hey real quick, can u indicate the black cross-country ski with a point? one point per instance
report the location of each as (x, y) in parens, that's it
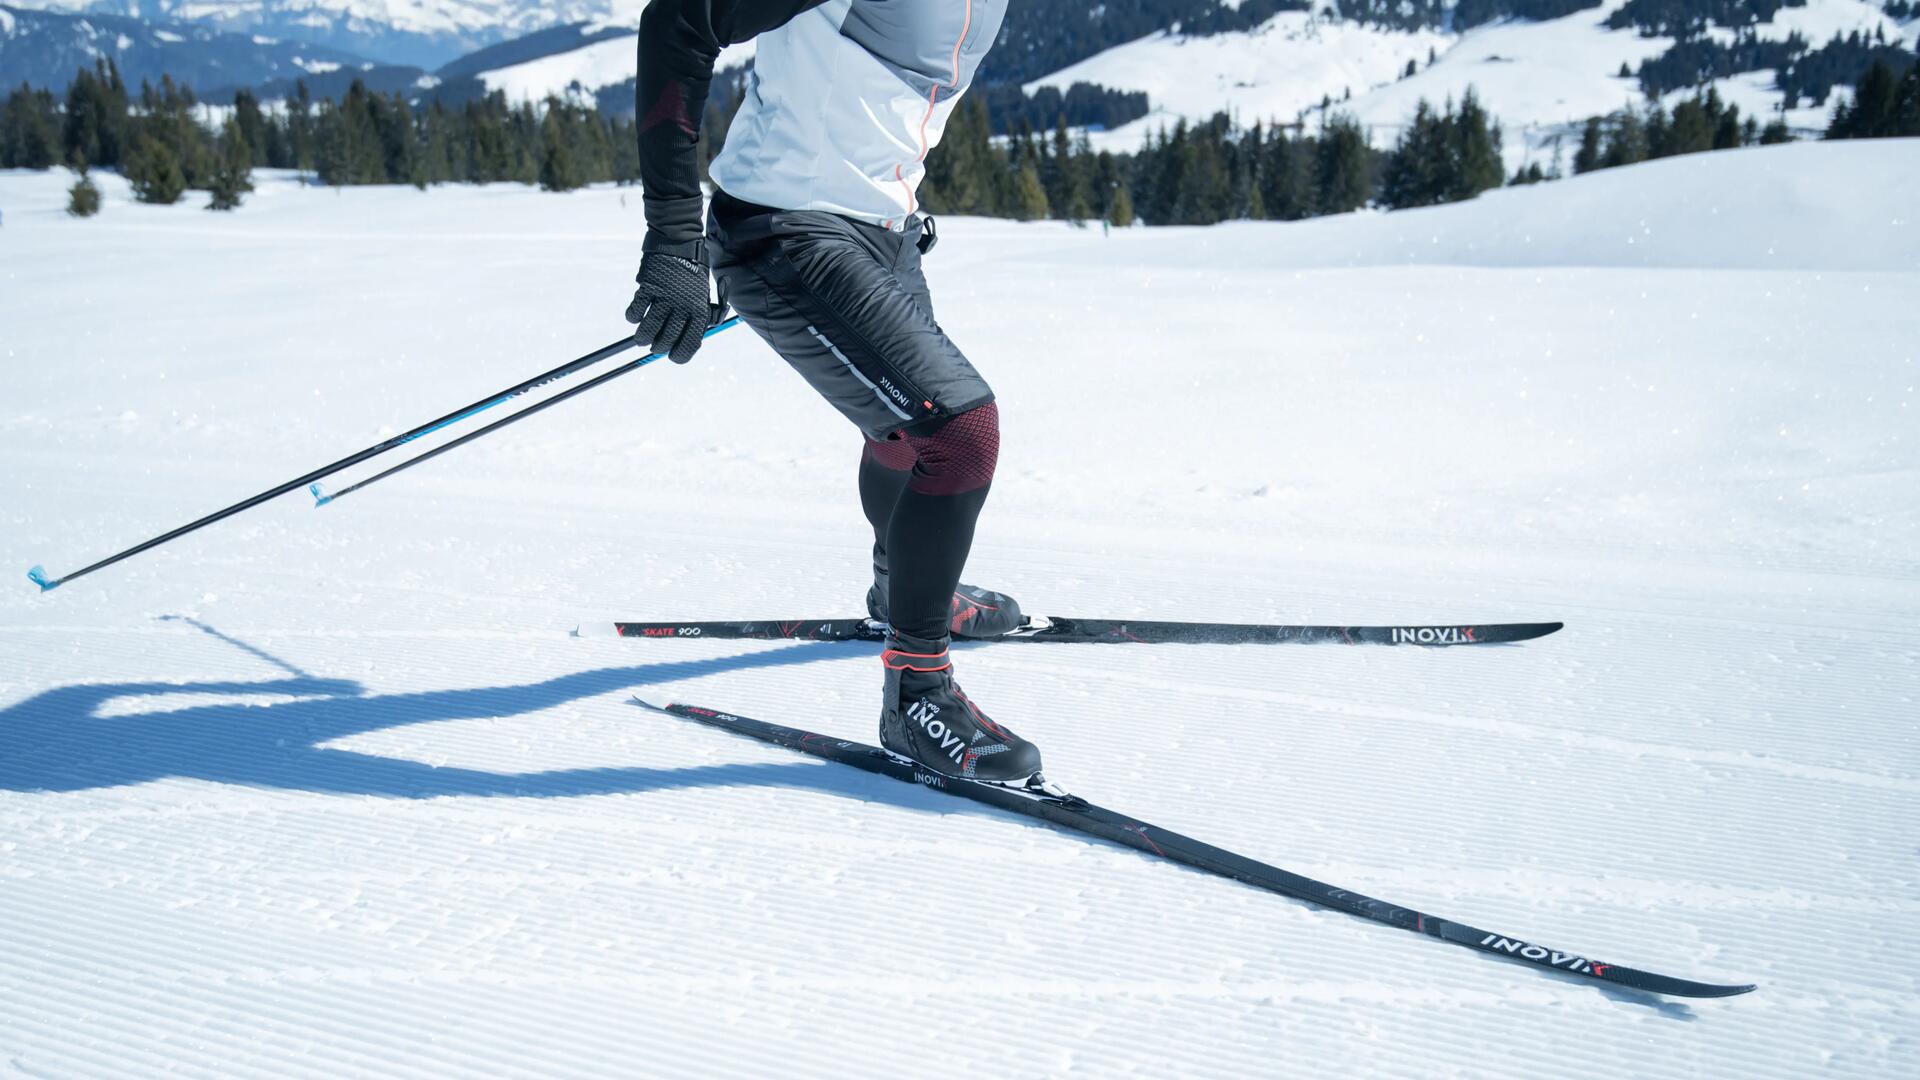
(1078, 814)
(1081, 631)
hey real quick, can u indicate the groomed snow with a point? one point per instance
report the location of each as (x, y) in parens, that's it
(325, 793)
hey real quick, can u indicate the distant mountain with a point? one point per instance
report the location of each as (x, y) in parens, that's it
(421, 33)
(45, 48)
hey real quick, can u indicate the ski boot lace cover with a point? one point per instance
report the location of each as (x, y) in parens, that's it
(928, 718)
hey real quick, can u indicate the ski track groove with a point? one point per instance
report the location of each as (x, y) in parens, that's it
(1699, 757)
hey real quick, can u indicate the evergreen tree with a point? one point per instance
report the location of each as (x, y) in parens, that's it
(302, 146)
(1626, 141)
(154, 171)
(1688, 133)
(1342, 166)
(1030, 197)
(253, 126)
(1883, 106)
(1285, 180)
(1474, 137)
(169, 119)
(1587, 158)
(1416, 171)
(83, 198)
(233, 175)
(350, 150)
(558, 169)
(1120, 209)
(29, 130)
(1069, 195)
(1203, 193)
(96, 120)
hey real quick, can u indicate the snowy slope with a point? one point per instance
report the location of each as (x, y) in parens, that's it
(1538, 78)
(420, 32)
(330, 792)
(590, 67)
(1275, 72)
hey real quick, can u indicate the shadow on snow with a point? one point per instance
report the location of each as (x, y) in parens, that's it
(61, 740)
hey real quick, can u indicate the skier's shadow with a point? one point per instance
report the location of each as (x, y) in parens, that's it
(75, 738)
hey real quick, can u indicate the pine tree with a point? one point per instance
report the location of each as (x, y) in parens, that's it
(154, 171)
(1415, 172)
(96, 119)
(1626, 142)
(233, 175)
(1587, 158)
(253, 126)
(1876, 111)
(1204, 191)
(83, 198)
(1069, 196)
(558, 169)
(1476, 140)
(1120, 208)
(1689, 131)
(1030, 197)
(350, 149)
(1285, 184)
(1341, 167)
(29, 130)
(302, 141)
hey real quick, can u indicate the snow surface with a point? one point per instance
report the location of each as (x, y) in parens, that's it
(1273, 72)
(331, 792)
(603, 63)
(1819, 22)
(1539, 79)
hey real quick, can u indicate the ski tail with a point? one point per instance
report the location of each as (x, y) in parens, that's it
(1079, 815)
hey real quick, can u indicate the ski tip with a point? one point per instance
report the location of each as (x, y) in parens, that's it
(654, 705)
(596, 629)
(38, 575)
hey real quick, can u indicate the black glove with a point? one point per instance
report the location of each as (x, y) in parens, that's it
(670, 310)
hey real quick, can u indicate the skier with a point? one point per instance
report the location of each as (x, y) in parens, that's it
(815, 236)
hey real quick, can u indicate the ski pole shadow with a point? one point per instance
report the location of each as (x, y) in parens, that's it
(102, 735)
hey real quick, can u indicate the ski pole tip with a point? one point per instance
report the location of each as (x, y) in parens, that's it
(319, 499)
(38, 575)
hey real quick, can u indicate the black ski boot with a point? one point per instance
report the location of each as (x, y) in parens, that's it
(926, 717)
(973, 612)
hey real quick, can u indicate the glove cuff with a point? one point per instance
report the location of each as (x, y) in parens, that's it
(694, 251)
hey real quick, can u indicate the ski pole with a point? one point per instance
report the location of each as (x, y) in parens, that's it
(38, 574)
(321, 499)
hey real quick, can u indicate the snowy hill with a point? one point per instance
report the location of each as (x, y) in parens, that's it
(606, 59)
(326, 793)
(1538, 78)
